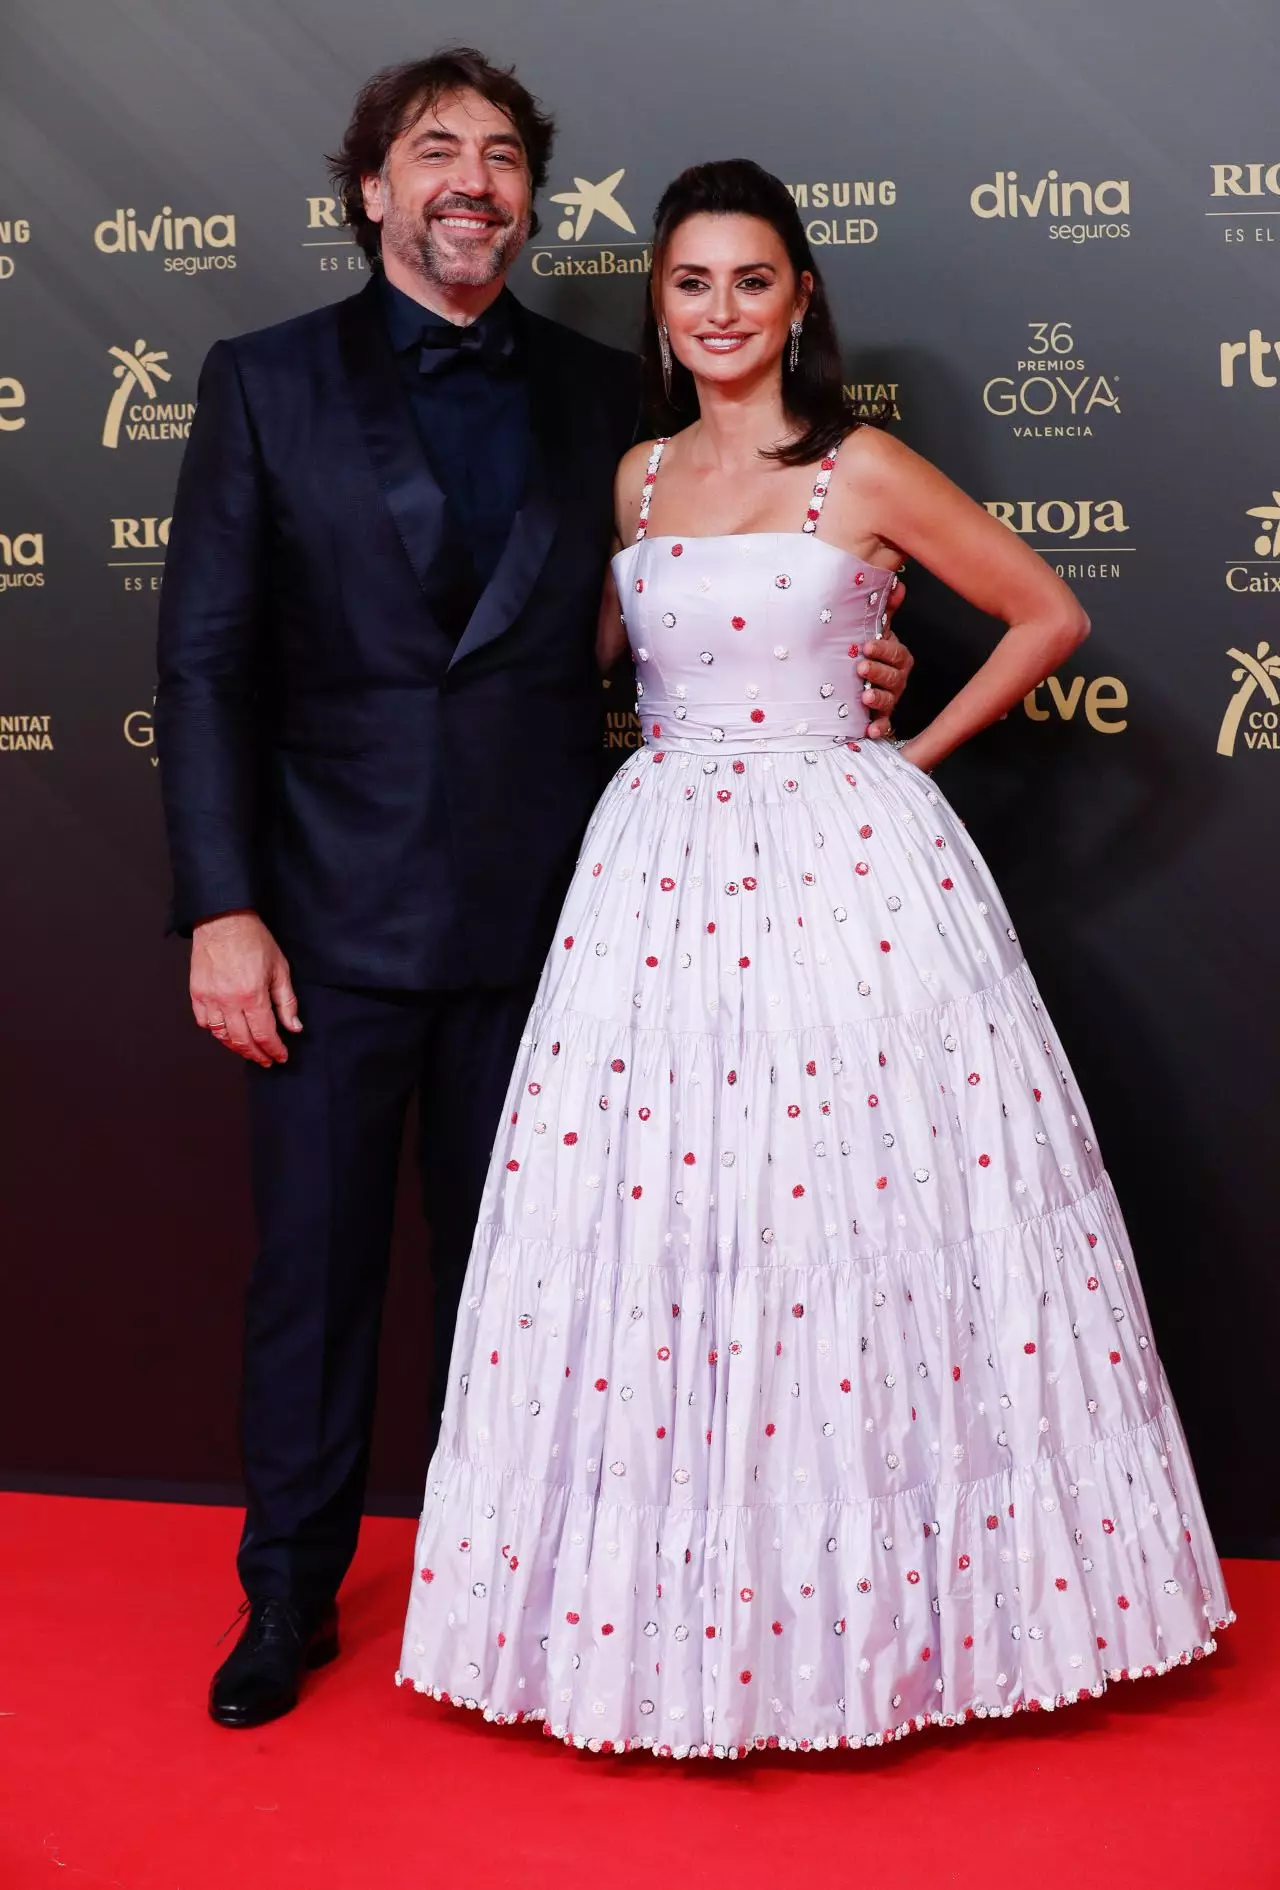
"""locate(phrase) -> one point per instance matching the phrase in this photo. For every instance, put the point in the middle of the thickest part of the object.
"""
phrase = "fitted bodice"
(748, 640)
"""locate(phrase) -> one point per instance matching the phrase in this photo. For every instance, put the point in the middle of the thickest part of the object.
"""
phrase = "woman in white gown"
(803, 1391)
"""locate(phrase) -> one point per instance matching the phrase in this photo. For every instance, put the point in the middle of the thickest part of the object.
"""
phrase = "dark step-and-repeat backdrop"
(1052, 233)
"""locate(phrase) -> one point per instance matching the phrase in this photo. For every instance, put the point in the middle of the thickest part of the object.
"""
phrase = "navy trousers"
(325, 1133)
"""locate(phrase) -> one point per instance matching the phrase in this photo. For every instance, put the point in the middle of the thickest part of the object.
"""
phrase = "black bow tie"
(443, 343)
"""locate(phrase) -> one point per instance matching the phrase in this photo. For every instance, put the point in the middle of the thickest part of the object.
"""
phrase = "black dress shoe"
(259, 1680)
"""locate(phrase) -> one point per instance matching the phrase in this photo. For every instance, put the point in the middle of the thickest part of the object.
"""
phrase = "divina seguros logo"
(1072, 212)
(140, 371)
(21, 561)
(189, 244)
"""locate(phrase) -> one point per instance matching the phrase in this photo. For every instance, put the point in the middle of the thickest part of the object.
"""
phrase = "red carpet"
(112, 1778)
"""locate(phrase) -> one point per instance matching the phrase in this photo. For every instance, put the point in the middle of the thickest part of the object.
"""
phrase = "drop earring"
(793, 358)
(664, 349)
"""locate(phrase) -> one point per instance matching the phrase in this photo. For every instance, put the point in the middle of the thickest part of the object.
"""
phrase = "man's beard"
(464, 263)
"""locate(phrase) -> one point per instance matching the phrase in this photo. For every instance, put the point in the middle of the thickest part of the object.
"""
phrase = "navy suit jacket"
(398, 789)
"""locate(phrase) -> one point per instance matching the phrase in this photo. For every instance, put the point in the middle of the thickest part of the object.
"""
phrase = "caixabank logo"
(589, 212)
(1054, 391)
(1080, 538)
(138, 411)
(1244, 203)
(1258, 576)
(1069, 210)
(21, 561)
(187, 245)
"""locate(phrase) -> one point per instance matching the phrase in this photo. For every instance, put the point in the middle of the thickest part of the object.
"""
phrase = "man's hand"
(238, 973)
(884, 667)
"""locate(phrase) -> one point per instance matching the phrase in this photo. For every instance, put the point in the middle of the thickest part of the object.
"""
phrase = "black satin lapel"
(413, 498)
(534, 525)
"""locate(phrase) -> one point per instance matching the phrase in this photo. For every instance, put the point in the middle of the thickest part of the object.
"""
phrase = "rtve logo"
(1257, 350)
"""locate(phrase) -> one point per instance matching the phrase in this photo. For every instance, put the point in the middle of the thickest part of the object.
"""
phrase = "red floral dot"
(1101, 1642)
(602, 1384)
(690, 1160)
(1092, 1282)
(677, 551)
(493, 1358)
(882, 1181)
(769, 1429)
(1114, 1357)
(428, 1574)
(866, 832)
(974, 1078)
(739, 623)
(846, 1384)
(1122, 1601)
(757, 715)
(777, 1627)
(568, 944)
(993, 1522)
(1030, 1346)
(662, 1430)
(1060, 1583)
(711, 926)
(797, 1311)
(617, 1066)
(667, 885)
(797, 1191)
(745, 1676)
(606, 1627)
(885, 946)
(651, 961)
(926, 1653)
(947, 885)
(955, 1373)
(968, 1640)
(873, 1102)
(984, 1161)
(636, 1192)
(963, 1562)
(572, 1618)
(913, 1576)
(743, 963)
(512, 1167)
(571, 1136)
(1108, 1527)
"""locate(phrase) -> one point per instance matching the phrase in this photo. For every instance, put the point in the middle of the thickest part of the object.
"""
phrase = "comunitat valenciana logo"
(21, 561)
(1081, 538)
(26, 734)
(137, 410)
(1252, 715)
(590, 207)
(189, 244)
(1071, 211)
(1053, 393)
(1259, 576)
(842, 205)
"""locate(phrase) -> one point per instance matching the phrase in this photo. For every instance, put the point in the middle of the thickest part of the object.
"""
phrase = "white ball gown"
(803, 1391)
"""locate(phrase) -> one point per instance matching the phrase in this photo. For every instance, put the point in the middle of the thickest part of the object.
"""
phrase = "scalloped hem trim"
(773, 1742)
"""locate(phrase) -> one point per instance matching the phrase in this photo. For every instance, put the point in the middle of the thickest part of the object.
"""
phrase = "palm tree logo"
(590, 200)
(1251, 674)
(1267, 544)
(138, 369)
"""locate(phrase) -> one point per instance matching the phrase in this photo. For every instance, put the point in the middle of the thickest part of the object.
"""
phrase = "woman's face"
(728, 295)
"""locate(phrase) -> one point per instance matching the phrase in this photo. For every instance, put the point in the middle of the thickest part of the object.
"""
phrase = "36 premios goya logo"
(189, 245)
(1081, 538)
(586, 208)
(1053, 392)
(1244, 203)
(138, 410)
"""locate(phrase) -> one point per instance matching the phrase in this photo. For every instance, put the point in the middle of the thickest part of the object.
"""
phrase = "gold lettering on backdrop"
(1105, 698)
(13, 398)
(1253, 675)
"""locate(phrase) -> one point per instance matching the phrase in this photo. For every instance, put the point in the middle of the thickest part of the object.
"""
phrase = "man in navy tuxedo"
(378, 722)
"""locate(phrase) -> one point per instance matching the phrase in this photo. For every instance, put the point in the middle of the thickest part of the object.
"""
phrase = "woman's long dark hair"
(813, 393)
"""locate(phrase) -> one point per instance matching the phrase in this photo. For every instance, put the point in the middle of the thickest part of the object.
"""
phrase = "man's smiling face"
(454, 198)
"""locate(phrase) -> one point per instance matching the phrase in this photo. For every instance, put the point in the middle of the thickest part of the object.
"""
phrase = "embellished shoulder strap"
(650, 481)
(821, 484)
